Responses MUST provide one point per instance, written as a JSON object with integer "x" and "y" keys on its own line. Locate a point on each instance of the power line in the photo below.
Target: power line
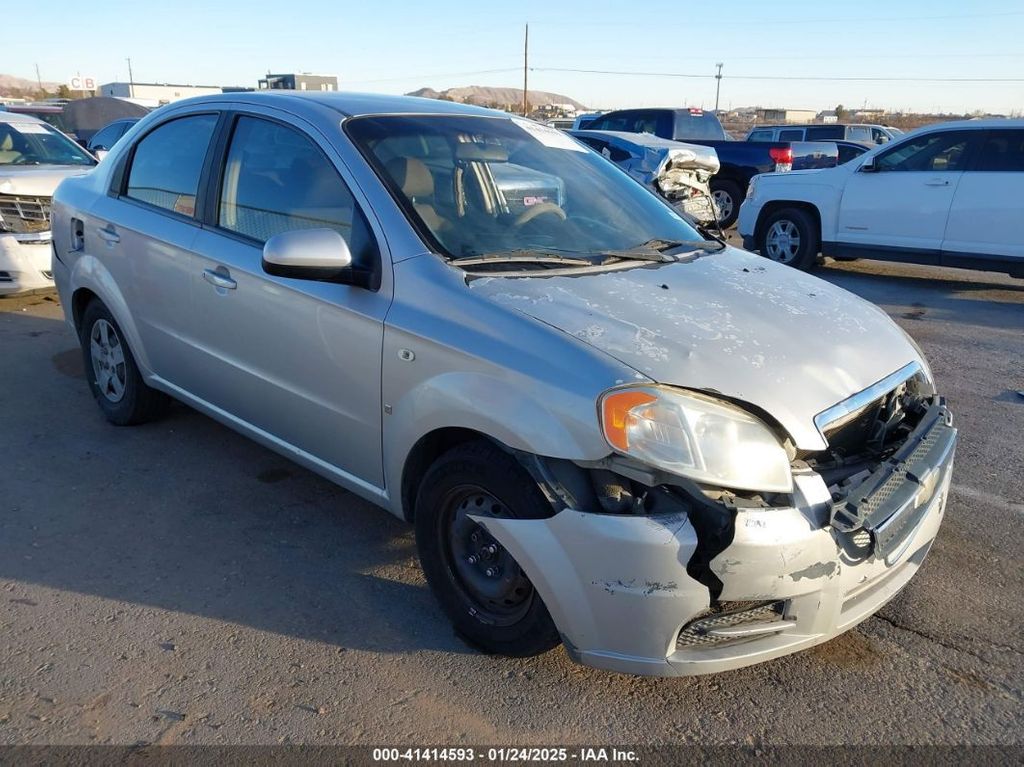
{"x": 821, "y": 78}
{"x": 437, "y": 74}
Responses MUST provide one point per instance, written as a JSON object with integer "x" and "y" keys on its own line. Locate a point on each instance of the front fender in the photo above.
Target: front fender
{"x": 510, "y": 413}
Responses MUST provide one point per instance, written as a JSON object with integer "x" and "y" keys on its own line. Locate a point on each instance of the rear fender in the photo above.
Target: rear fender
{"x": 89, "y": 273}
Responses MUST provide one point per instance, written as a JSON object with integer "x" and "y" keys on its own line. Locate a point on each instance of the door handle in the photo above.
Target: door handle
{"x": 219, "y": 279}
{"x": 937, "y": 182}
{"x": 109, "y": 235}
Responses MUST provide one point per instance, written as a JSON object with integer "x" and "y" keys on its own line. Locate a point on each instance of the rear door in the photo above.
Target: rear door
{"x": 144, "y": 230}
{"x": 985, "y": 218}
{"x": 299, "y": 360}
{"x": 904, "y": 204}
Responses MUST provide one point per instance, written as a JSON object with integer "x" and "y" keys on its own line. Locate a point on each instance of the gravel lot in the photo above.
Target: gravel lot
{"x": 177, "y": 583}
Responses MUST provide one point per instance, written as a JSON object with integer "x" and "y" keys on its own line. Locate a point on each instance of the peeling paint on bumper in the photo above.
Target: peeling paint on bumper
{"x": 618, "y": 590}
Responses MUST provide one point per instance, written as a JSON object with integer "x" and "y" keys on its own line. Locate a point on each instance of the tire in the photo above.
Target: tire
{"x": 790, "y": 236}
{"x": 499, "y": 613}
{"x": 110, "y": 369}
{"x": 728, "y": 197}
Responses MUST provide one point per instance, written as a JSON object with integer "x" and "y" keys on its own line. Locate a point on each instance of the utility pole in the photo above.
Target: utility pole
{"x": 131, "y": 80}
{"x": 718, "y": 85}
{"x": 526, "y": 69}
{"x": 39, "y": 78}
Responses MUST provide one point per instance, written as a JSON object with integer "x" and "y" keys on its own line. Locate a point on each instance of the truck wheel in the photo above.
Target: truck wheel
{"x": 481, "y": 588}
{"x": 790, "y": 236}
{"x": 728, "y": 196}
{"x": 114, "y": 378}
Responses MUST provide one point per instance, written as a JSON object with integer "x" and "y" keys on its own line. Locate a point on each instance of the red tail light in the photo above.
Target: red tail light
{"x": 781, "y": 155}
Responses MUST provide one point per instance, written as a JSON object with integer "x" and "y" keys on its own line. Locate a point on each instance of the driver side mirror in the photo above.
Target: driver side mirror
{"x": 312, "y": 254}
{"x": 868, "y": 166}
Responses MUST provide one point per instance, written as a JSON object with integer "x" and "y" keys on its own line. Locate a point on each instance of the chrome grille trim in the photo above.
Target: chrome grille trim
{"x": 25, "y": 214}
{"x": 862, "y": 399}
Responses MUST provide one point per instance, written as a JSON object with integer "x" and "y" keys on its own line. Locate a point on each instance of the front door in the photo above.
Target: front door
{"x": 905, "y": 202}
{"x": 298, "y": 359}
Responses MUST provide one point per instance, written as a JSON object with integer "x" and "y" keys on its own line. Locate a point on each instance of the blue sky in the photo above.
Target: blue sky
{"x": 393, "y": 47}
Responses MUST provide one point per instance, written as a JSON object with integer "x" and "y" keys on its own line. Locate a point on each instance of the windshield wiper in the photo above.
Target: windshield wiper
{"x": 662, "y": 246}
{"x": 524, "y": 256}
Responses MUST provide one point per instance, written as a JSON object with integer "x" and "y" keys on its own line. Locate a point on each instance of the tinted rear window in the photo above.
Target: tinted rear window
{"x": 826, "y": 132}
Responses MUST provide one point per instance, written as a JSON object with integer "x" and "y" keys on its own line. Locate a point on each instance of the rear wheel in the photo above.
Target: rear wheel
{"x": 480, "y": 586}
{"x": 727, "y": 196}
{"x": 110, "y": 369}
{"x": 790, "y": 236}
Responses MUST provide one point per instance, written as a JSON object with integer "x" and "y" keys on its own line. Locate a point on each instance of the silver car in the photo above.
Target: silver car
{"x": 670, "y": 456}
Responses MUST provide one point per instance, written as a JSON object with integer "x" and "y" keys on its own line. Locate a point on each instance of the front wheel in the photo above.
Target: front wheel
{"x": 480, "y": 586}
{"x": 790, "y": 236}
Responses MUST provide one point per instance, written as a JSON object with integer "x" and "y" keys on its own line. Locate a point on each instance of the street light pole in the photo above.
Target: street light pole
{"x": 131, "y": 80}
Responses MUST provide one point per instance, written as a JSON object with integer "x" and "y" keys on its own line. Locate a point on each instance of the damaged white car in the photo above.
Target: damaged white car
{"x": 34, "y": 158}
{"x": 679, "y": 172}
{"x": 608, "y": 432}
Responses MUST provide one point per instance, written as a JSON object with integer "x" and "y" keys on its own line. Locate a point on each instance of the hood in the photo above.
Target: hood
{"x": 37, "y": 180}
{"x": 730, "y": 323}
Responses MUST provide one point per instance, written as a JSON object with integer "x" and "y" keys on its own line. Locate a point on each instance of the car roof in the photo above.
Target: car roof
{"x": 18, "y": 117}
{"x": 347, "y": 104}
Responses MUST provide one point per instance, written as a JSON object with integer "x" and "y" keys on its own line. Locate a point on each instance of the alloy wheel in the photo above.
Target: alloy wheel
{"x": 782, "y": 242}
{"x": 108, "y": 364}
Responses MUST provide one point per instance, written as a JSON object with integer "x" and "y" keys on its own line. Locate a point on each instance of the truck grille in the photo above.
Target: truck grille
{"x": 24, "y": 215}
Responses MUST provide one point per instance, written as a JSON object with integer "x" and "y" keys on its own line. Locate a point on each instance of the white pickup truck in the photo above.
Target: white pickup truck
{"x": 946, "y": 195}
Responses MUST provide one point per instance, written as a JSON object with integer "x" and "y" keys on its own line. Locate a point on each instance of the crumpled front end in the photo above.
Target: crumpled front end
{"x": 671, "y": 579}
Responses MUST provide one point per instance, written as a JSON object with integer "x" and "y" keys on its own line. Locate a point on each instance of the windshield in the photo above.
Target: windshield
{"x": 484, "y": 185}
{"x": 32, "y": 143}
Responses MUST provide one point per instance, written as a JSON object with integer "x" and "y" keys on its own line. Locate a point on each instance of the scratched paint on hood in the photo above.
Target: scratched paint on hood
{"x": 730, "y": 322}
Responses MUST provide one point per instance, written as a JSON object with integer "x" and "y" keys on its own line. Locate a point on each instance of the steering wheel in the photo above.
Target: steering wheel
{"x": 541, "y": 209}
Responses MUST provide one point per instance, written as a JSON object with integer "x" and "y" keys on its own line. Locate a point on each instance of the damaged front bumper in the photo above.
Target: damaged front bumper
{"x": 618, "y": 589}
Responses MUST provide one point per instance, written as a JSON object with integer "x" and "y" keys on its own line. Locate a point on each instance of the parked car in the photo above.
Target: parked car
{"x": 583, "y": 121}
{"x": 34, "y": 158}
{"x": 740, "y": 160}
{"x": 580, "y": 407}
{"x": 562, "y": 123}
{"x": 105, "y": 138}
{"x": 677, "y": 171}
{"x": 947, "y": 194}
{"x": 51, "y": 114}
{"x": 860, "y": 133}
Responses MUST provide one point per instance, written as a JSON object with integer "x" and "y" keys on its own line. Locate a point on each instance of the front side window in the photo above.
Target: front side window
{"x": 1002, "y": 150}
{"x": 482, "y": 185}
{"x": 276, "y": 179}
{"x": 931, "y": 152}
{"x": 760, "y": 135}
{"x": 32, "y": 143}
{"x": 168, "y": 162}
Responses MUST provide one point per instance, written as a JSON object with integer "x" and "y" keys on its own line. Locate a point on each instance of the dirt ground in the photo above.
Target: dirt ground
{"x": 177, "y": 583}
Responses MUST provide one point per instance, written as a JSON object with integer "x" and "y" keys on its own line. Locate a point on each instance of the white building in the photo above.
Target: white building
{"x": 161, "y": 93}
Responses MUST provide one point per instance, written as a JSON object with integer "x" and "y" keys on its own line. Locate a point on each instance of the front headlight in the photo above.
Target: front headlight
{"x": 695, "y": 436}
